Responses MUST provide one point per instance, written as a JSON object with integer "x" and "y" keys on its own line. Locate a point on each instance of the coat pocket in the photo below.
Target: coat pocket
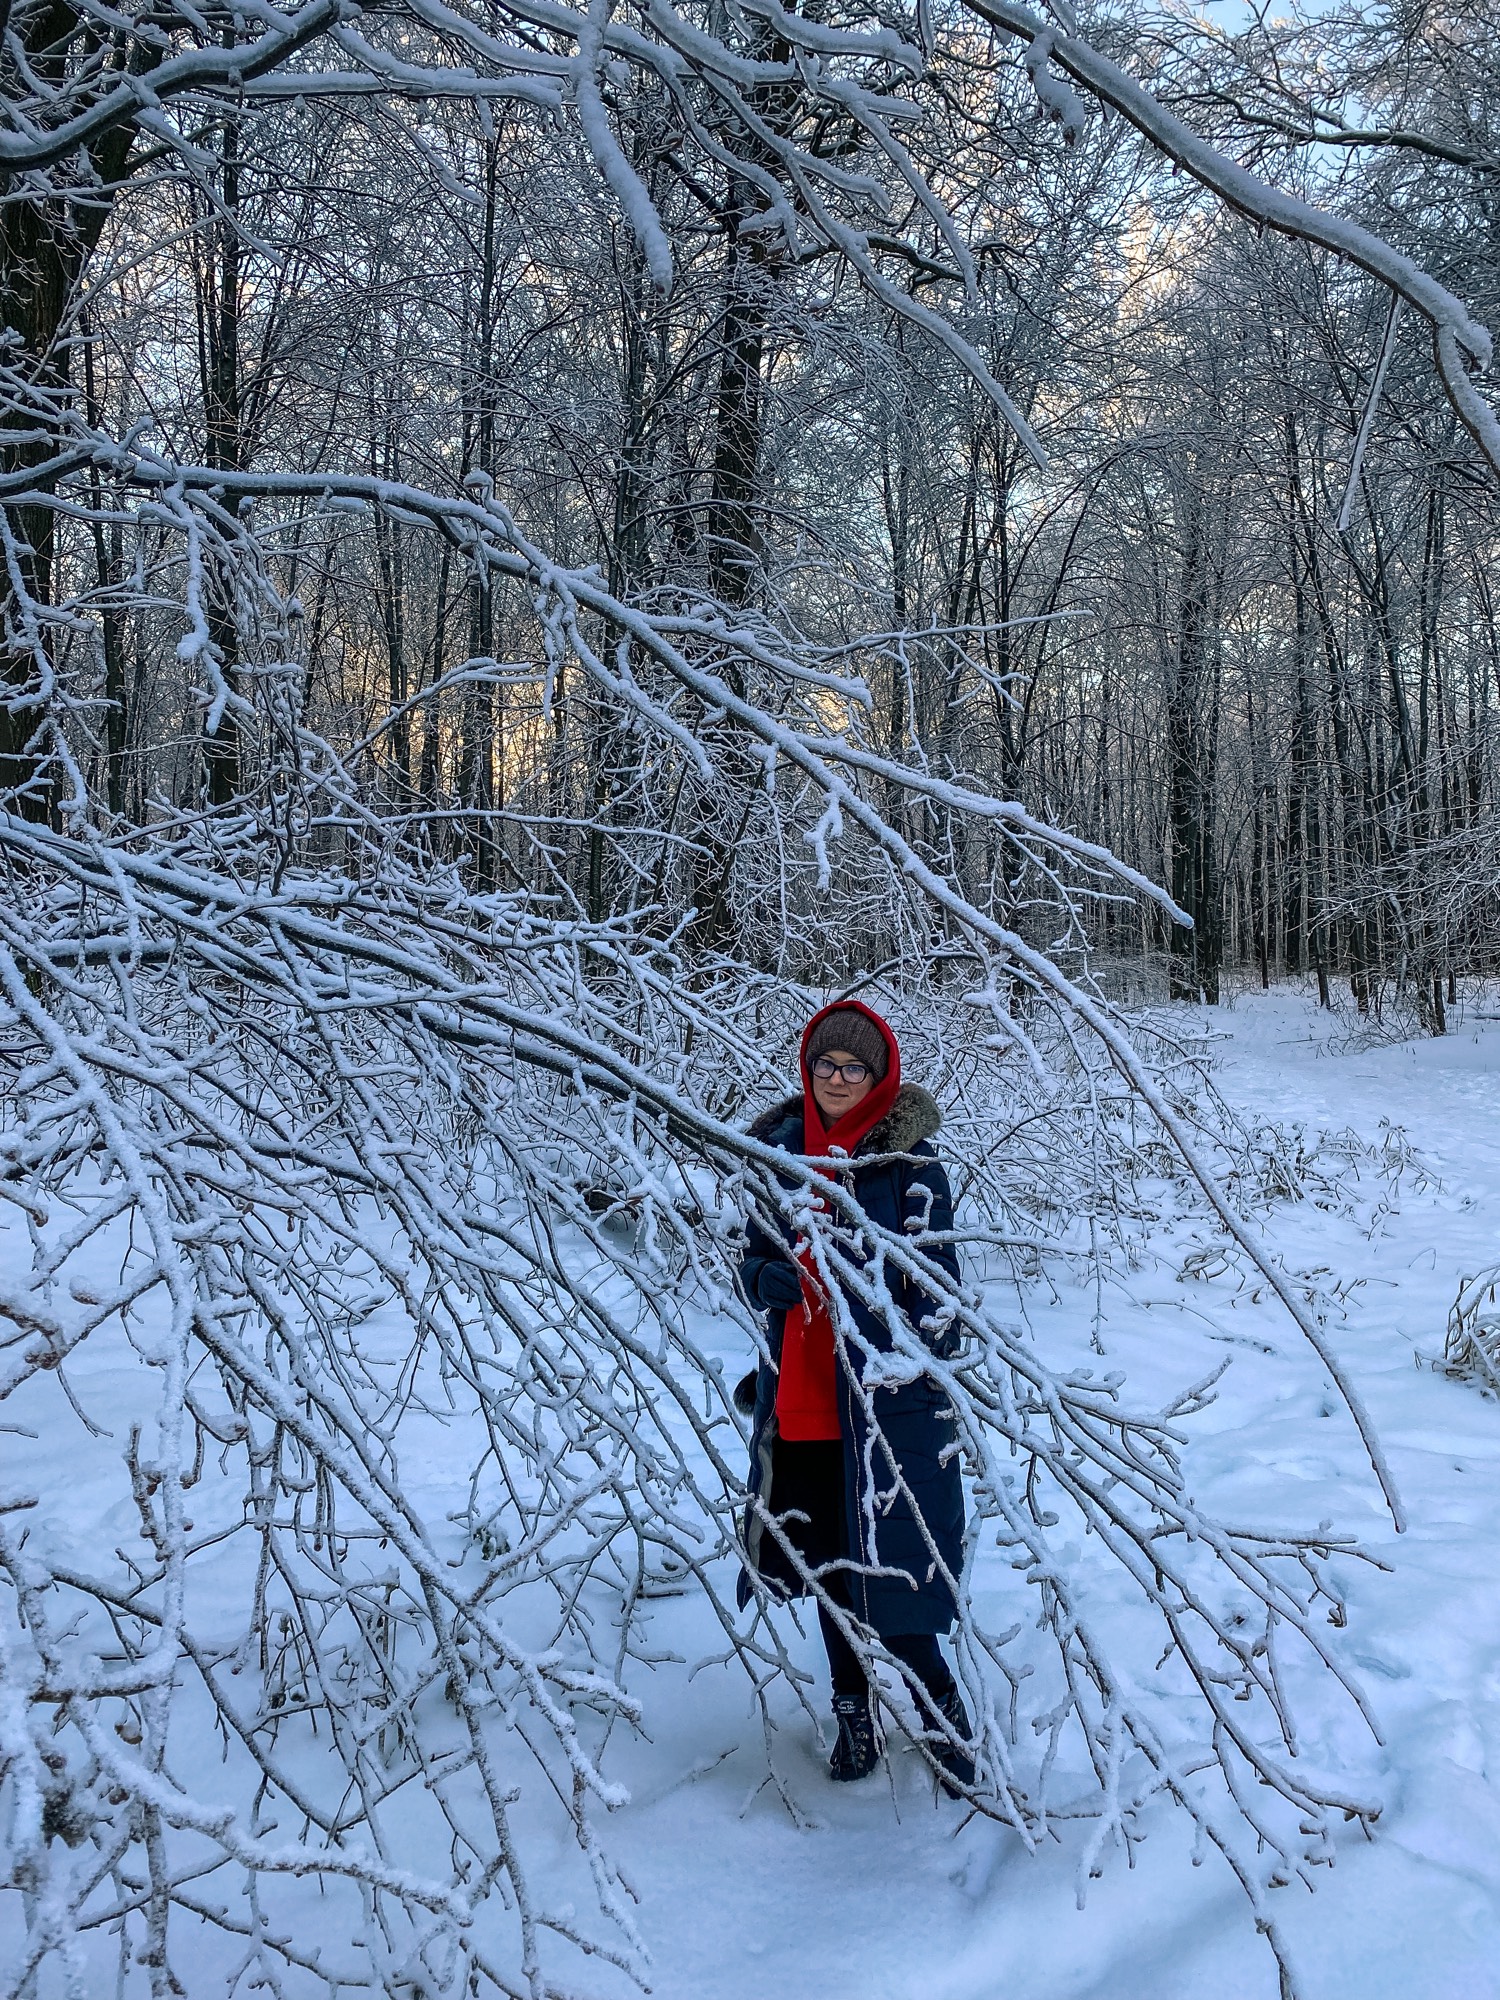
{"x": 916, "y": 1426}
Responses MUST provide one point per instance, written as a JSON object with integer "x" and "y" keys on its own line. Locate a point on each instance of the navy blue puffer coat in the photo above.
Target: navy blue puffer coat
{"x": 895, "y": 1585}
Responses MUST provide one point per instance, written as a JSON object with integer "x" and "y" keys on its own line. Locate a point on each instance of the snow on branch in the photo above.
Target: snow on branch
{"x": 1464, "y": 348}
{"x": 369, "y": 1167}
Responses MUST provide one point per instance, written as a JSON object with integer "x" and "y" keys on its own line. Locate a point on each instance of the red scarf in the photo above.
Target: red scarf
{"x": 807, "y": 1404}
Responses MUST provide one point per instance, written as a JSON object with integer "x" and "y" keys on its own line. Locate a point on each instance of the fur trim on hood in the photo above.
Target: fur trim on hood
{"x": 914, "y": 1116}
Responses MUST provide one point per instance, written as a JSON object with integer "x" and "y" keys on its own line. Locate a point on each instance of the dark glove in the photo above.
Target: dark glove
{"x": 744, "y": 1393}
{"x": 779, "y": 1285}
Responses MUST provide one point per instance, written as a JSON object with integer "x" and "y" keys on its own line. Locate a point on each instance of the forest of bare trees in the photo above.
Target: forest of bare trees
{"x": 1207, "y": 584}
{"x": 537, "y": 538}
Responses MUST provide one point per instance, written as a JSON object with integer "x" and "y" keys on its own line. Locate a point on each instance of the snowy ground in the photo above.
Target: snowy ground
{"x": 888, "y": 1895}
{"x": 885, "y": 1900}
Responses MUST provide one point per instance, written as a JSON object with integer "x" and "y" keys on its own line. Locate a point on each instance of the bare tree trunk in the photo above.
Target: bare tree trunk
{"x": 219, "y": 356}
{"x": 390, "y": 571}
{"x": 429, "y": 778}
{"x": 44, "y": 247}
{"x": 1257, "y": 887}
{"x": 108, "y": 573}
{"x": 735, "y": 540}
{"x": 476, "y": 765}
{"x": 1192, "y": 775}
{"x": 717, "y": 824}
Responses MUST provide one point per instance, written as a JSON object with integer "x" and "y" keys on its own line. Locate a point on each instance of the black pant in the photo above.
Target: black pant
{"x": 918, "y": 1654}
{"x": 808, "y": 1480}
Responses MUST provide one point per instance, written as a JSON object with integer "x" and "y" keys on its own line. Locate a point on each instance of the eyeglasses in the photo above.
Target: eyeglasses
{"x": 852, "y": 1072}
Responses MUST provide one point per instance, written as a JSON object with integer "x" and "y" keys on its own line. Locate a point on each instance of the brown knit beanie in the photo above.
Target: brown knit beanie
{"x": 845, "y": 1028}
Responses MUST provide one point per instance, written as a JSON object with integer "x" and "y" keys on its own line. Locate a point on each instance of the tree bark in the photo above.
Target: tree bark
{"x": 1197, "y": 955}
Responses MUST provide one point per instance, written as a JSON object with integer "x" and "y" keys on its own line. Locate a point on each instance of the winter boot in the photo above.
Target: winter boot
{"x": 956, "y": 1763}
{"x": 856, "y": 1753}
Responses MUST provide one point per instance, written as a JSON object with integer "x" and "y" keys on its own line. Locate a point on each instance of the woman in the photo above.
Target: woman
{"x": 875, "y": 1510}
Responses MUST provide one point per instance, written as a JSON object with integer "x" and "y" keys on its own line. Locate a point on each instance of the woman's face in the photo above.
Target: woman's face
{"x": 834, "y": 1096}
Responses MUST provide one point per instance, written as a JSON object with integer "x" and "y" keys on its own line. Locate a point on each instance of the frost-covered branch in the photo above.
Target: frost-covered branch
{"x": 376, "y": 1157}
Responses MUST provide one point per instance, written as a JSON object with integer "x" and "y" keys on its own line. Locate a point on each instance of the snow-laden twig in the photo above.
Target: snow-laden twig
{"x": 360, "y": 1123}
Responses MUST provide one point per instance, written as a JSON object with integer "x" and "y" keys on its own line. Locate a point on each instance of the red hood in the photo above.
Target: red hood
{"x": 865, "y": 1115}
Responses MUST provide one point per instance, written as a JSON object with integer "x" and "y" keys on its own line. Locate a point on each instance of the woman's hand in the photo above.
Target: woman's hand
{"x": 779, "y": 1286}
